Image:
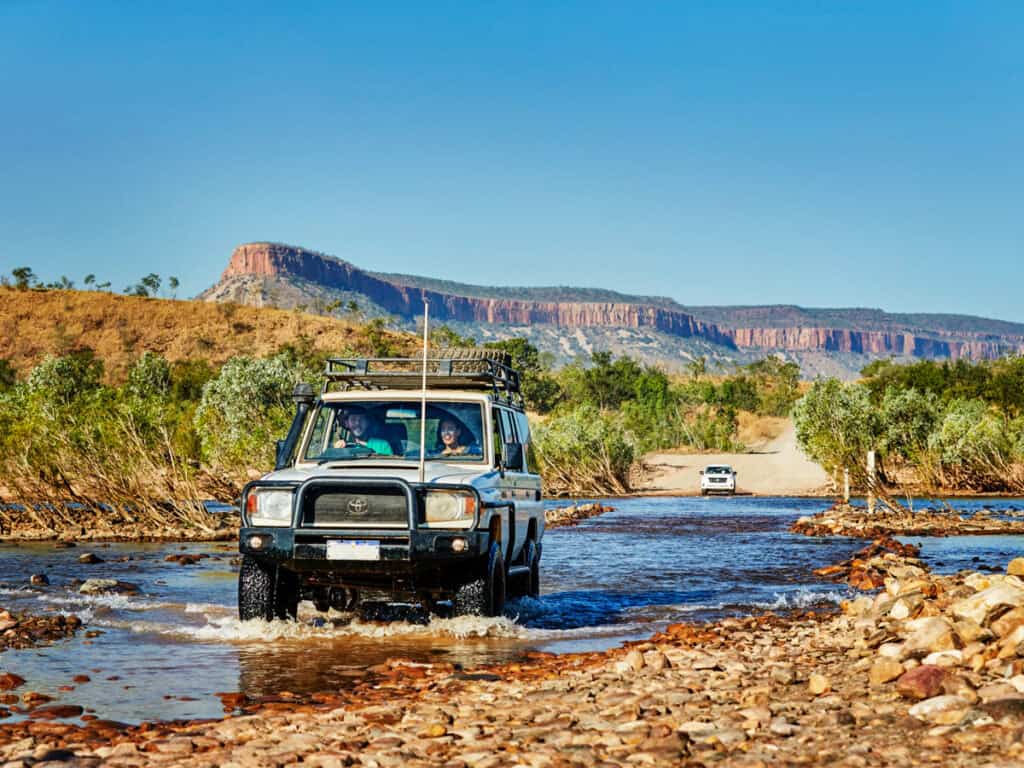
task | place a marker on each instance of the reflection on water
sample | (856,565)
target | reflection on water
(164,652)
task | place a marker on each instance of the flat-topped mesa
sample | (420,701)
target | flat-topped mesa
(876,343)
(738,328)
(273,260)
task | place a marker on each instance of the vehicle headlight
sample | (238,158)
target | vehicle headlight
(269,507)
(454,509)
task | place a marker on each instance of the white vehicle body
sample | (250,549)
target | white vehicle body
(717,478)
(385,488)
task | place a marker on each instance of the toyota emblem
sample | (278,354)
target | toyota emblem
(357,506)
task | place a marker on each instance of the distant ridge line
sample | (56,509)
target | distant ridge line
(771,328)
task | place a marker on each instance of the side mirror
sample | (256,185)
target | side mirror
(702,471)
(514,456)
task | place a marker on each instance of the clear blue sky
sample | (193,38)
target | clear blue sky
(823,153)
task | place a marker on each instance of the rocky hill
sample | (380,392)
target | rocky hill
(569,321)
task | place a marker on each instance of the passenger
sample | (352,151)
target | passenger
(450,439)
(358,424)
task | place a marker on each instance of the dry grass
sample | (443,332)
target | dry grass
(755,430)
(34,324)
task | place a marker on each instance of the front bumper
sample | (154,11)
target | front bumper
(306,550)
(411,557)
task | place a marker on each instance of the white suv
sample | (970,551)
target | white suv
(717,478)
(369,498)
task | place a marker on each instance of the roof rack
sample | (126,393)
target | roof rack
(455,369)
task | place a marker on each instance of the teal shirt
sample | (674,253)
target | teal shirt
(377,445)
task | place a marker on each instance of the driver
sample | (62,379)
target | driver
(358,423)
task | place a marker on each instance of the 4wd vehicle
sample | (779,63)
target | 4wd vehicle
(386,489)
(717,478)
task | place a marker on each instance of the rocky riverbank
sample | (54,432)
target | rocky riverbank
(849,520)
(22,630)
(930,670)
(25,522)
(574,514)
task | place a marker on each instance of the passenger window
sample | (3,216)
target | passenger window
(496,438)
(512,449)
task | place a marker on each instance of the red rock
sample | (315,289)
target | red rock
(922,682)
(10,680)
(56,711)
(231,700)
(81,679)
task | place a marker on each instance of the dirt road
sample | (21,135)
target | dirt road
(778,468)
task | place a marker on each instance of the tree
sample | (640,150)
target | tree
(540,389)
(698,367)
(152,283)
(150,376)
(24,278)
(172,283)
(63,379)
(836,425)
(89,279)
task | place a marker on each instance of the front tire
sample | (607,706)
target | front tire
(486,596)
(266,592)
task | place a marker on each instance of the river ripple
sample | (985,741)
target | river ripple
(621,576)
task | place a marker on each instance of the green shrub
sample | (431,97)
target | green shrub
(150,376)
(836,424)
(583,453)
(245,409)
(972,445)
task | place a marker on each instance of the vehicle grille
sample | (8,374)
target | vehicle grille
(329,506)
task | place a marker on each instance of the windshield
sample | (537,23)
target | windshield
(370,429)
(718,471)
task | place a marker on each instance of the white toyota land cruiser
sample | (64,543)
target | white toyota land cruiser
(388,489)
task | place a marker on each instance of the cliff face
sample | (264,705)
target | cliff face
(875,343)
(271,260)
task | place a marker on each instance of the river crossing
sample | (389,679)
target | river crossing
(166,652)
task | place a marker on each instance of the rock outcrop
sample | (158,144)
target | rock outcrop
(276,261)
(271,260)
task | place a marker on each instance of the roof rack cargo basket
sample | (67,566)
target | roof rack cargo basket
(447,369)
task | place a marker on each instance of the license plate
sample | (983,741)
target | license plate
(353,550)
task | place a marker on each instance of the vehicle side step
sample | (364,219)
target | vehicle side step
(518,571)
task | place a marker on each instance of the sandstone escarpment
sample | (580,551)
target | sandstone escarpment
(875,343)
(272,260)
(739,331)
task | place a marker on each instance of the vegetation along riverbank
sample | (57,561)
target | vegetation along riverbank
(111,422)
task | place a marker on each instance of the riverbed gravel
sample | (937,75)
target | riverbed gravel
(927,671)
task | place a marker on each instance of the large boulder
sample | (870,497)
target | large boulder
(922,682)
(989,602)
(928,635)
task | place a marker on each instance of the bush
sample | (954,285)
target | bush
(907,418)
(245,409)
(836,424)
(65,379)
(150,376)
(584,453)
(972,446)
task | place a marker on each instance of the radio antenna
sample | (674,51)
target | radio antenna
(423,402)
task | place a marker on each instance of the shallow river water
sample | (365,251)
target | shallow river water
(164,653)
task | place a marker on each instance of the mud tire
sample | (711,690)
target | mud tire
(486,596)
(266,591)
(532,561)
